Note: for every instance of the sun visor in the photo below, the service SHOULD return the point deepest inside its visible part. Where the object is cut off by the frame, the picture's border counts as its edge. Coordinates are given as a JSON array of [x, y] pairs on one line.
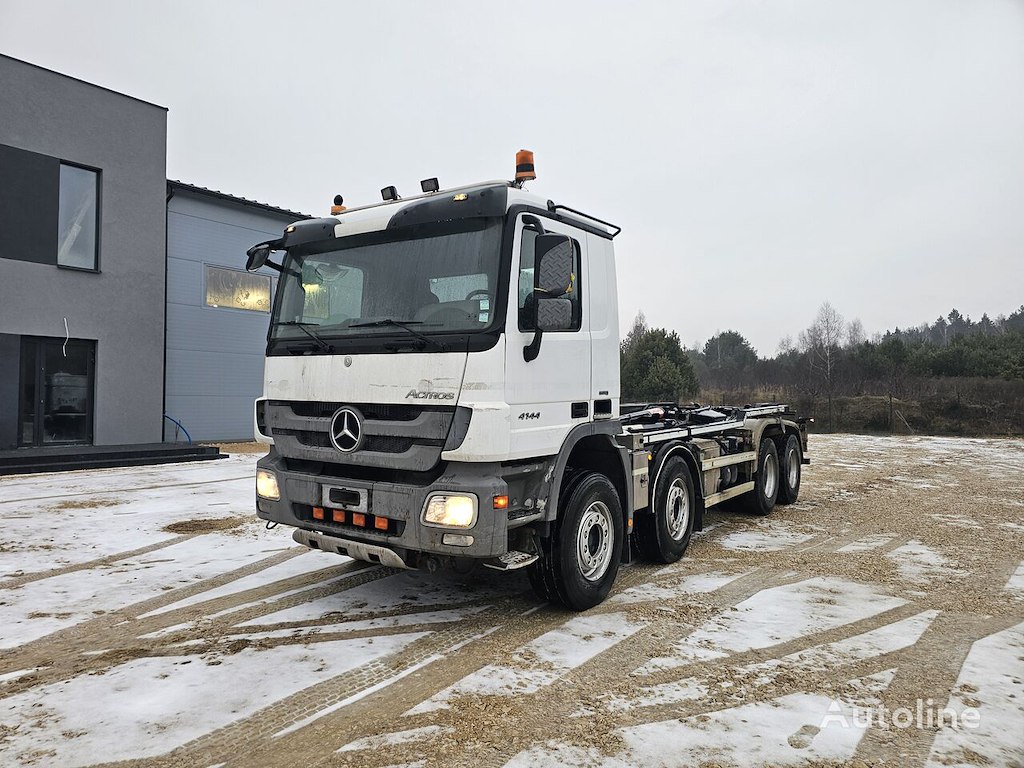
[[470, 203]]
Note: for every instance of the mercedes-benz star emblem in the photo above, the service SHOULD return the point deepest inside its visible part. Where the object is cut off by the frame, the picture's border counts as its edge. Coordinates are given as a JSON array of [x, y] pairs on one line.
[[346, 430]]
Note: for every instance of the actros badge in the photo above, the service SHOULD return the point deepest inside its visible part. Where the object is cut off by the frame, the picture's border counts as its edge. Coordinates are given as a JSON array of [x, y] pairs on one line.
[[423, 395]]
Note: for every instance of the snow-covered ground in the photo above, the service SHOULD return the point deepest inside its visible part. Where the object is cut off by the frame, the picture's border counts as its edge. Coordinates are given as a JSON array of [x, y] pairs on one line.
[[145, 614]]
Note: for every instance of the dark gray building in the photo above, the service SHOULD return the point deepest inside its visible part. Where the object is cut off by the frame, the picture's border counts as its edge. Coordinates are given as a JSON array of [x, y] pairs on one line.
[[82, 261], [217, 313]]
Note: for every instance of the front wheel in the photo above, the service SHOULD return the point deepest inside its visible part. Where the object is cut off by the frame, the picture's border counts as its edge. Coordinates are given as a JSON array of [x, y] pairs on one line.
[[579, 562], [663, 532]]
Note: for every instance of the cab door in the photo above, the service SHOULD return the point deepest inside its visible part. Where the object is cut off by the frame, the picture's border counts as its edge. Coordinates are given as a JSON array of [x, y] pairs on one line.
[[550, 394]]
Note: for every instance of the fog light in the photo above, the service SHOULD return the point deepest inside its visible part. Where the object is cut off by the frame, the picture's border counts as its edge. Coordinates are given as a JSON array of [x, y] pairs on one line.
[[453, 511], [266, 485], [457, 539]]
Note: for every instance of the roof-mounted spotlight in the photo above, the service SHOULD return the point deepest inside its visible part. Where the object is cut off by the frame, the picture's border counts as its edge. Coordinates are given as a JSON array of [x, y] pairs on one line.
[[430, 185], [389, 194], [339, 205]]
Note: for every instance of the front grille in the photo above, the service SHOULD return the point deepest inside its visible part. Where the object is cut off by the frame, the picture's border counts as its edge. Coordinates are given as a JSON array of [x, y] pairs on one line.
[[373, 443], [372, 411], [306, 437], [385, 444], [394, 412], [397, 437], [313, 410]]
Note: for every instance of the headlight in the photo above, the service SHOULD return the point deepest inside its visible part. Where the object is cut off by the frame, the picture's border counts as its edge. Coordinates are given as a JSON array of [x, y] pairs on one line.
[[450, 510], [266, 485]]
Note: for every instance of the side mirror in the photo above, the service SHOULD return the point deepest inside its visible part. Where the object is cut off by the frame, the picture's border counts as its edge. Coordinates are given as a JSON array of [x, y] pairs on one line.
[[554, 314], [258, 256], [554, 257], [553, 279]]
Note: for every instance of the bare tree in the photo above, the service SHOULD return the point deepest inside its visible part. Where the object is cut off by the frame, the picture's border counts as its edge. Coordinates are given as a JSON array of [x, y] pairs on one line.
[[855, 334], [822, 343]]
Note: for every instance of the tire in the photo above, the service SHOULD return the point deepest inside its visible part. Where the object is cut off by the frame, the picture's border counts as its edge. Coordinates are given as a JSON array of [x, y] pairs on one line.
[[663, 533], [542, 576], [790, 465], [579, 561], [761, 500]]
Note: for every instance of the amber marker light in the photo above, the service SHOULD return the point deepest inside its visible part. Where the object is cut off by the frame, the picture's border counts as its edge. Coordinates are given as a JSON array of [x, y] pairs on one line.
[[318, 513], [380, 523], [359, 519], [501, 502]]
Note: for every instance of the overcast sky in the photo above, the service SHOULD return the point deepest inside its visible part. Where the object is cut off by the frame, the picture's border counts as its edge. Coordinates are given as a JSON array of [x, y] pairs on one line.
[[761, 157]]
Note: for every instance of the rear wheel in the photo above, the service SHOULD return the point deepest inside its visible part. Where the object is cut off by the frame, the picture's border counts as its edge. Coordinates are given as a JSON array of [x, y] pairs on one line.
[[790, 464], [580, 560], [761, 500], [663, 532]]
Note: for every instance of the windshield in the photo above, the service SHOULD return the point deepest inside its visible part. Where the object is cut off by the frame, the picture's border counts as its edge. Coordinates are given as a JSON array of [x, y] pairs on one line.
[[408, 284]]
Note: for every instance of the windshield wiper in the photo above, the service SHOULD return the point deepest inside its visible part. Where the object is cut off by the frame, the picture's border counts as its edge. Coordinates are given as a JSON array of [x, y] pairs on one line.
[[404, 325], [312, 334]]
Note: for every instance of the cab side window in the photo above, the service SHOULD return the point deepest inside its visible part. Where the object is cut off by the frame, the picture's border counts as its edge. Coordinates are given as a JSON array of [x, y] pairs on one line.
[[527, 260]]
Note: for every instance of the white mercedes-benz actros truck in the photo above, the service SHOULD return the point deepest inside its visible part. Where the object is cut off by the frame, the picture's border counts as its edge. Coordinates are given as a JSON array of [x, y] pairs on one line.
[[442, 387]]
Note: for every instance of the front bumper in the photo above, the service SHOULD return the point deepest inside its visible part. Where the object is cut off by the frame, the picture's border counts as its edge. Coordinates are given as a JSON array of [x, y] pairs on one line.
[[401, 504]]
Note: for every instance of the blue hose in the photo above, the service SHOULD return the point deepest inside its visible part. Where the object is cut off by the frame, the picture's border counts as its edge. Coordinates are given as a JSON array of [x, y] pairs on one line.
[[180, 426]]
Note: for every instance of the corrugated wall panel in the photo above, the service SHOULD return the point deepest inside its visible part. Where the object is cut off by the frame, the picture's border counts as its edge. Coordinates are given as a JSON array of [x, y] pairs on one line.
[[212, 418], [208, 329], [184, 282], [196, 372], [214, 355]]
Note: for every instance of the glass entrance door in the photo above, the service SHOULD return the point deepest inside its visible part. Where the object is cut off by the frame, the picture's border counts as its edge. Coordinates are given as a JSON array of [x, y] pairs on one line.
[[56, 391]]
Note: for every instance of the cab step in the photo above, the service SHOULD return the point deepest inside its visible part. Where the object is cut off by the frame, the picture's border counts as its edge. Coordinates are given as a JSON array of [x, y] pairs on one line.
[[511, 561]]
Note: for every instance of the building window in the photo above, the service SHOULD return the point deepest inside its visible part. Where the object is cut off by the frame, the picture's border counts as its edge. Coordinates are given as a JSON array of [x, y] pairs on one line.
[[78, 218], [235, 289]]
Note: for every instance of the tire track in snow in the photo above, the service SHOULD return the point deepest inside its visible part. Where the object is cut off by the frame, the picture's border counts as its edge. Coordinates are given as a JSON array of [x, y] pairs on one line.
[[511, 623], [132, 489], [314, 713], [13, 582], [74, 650], [928, 670]]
